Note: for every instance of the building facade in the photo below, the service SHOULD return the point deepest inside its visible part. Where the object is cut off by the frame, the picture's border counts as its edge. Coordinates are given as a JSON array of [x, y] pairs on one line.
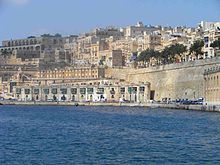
[[111, 58], [212, 85], [77, 73], [85, 91], [44, 42]]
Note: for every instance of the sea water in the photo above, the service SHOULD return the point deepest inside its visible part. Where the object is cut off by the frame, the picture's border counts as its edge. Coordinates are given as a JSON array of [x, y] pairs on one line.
[[55, 135]]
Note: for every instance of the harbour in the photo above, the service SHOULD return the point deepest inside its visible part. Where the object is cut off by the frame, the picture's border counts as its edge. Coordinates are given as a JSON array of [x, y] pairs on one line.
[[107, 135], [109, 82]]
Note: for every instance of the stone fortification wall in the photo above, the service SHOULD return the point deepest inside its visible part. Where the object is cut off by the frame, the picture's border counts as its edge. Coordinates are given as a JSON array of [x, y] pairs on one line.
[[182, 80]]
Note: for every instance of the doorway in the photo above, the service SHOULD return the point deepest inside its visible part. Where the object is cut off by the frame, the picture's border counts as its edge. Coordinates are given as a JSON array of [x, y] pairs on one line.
[[152, 95]]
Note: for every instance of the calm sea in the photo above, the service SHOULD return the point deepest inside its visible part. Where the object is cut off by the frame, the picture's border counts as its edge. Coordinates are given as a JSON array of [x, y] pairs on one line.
[[47, 135]]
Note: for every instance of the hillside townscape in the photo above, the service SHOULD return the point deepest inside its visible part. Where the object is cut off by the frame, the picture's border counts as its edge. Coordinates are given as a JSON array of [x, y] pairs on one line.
[[138, 63]]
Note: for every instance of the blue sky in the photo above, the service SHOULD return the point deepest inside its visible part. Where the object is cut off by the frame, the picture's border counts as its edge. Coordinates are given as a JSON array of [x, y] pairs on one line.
[[22, 18]]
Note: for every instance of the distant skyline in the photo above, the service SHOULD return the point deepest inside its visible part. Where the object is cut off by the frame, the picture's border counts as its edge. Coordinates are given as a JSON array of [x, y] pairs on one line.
[[23, 18]]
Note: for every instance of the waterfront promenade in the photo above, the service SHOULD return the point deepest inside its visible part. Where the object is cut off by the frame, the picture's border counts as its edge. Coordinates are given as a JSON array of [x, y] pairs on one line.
[[208, 108]]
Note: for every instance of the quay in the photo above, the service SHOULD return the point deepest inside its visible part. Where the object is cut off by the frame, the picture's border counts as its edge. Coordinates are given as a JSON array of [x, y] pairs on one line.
[[206, 108]]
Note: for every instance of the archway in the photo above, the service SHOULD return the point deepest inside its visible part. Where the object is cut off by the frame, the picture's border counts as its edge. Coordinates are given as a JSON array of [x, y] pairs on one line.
[[73, 98]]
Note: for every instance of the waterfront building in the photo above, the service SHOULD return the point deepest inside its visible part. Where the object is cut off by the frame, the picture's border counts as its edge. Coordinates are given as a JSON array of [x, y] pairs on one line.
[[104, 90]]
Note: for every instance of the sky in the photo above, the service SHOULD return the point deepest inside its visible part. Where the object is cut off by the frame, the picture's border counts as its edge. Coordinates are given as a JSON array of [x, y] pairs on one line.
[[23, 18]]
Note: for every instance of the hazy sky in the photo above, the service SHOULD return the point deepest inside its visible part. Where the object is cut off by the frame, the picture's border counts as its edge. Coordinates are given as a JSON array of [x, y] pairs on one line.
[[22, 18]]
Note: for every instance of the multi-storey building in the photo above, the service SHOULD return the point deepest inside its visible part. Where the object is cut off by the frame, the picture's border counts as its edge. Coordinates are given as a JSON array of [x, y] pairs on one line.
[[126, 45], [93, 91], [209, 37], [139, 30], [152, 41], [111, 58], [45, 42], [95, 49], [74, 73], [211, 32], [47, 48]]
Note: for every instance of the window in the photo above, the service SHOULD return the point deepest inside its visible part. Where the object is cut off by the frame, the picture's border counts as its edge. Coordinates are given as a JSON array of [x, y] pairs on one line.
[[63, 90], [132, 90], [46, 91], [54, 91], [142, 89], [27, 91], [129, 90], [82, 90], [74, 90], [18, 90], [90, 90], [54, 41], [112, 91], [135, 89], [100, 91], [122, 90], [36, 91]]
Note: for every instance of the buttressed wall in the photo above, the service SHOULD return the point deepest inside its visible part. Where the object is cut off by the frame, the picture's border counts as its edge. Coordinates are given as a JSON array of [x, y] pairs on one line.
[[175, 81]]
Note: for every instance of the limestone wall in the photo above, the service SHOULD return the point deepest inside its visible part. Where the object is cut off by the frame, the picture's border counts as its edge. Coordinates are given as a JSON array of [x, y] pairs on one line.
[[183, 80]]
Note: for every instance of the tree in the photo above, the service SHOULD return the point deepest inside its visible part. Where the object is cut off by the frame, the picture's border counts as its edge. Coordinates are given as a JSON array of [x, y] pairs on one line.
[[144, 56], [216, 44], [196, 47], [180, 49], [169, 53]]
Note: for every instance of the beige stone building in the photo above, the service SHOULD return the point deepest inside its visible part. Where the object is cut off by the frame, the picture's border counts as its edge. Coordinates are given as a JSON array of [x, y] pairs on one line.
[[41, 43], [152, 41], [212, 85], [75, 73], [111, 58], [102, 90], [95, 49], [126, 45], [138, 30]]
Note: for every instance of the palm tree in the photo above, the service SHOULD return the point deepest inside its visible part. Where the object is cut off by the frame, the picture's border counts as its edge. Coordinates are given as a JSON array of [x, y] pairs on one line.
[[196, 48]]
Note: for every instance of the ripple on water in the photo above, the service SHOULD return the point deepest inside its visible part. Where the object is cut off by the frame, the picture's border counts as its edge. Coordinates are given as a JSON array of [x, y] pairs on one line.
[[107, 135]]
